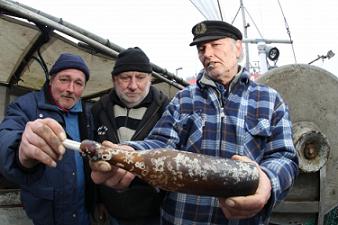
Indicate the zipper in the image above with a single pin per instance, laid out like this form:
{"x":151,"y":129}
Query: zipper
{"x":147,"y":124}
{"x":127,"y":116}
{"x":222,"y":115}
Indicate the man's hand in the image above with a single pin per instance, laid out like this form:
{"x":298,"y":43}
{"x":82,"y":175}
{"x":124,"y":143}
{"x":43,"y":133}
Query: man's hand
{"x":109,"y":175}
{"x":243,"y":207}
{"x":41,"y":141}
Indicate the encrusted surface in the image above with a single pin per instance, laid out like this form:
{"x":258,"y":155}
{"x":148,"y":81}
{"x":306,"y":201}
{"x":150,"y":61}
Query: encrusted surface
{"x":182,"y":171}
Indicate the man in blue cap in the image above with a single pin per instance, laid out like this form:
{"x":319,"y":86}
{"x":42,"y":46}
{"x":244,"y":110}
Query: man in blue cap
{"x":55,"y":188}
{"x":225,"y":114}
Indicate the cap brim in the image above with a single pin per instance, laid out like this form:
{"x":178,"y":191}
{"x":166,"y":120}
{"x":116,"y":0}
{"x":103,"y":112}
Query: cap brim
{"x":206,"y":38}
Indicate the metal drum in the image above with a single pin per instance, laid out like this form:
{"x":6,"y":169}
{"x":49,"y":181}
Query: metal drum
{"x":312,"y":96}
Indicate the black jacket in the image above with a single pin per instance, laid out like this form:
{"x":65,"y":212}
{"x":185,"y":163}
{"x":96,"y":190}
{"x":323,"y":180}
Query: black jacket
{"x":140,"y":199}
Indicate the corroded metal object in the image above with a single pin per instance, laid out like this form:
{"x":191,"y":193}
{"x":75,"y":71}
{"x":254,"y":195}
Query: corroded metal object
{"x":181,"y":171}
{"x":312,"y":146}
{"x":311,"y":94}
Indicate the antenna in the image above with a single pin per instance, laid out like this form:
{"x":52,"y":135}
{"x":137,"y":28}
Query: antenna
{"x":328,"y":55}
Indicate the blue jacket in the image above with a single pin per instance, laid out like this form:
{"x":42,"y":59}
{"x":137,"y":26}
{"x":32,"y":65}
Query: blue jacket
{"x":48,"y":194}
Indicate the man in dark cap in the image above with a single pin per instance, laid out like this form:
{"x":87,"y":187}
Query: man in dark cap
{"x":55,"y":188}
{"x":127,"y":113}
{"x":212,"y":30}
{"x":225,"y":114}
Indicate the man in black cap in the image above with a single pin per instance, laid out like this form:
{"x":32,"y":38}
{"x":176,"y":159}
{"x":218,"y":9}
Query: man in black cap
{"x":55,"y":188}
{"x":129,"y":112}
{"x":225,"y":114}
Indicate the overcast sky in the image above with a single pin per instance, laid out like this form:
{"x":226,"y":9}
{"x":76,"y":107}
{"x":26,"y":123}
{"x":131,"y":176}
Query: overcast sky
{"x":162,"y":28}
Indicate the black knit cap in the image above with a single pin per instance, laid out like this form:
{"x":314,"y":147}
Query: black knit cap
{"x":210,"y":30}
{"x":132,"y":59}
{"x":69,"y":61}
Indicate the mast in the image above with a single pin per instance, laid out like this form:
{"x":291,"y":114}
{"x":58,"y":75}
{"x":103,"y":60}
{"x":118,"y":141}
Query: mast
{"x":263,"y":49}
{"x":245,"y":32}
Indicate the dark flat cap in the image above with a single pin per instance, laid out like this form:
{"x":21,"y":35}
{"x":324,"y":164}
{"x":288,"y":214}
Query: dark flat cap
{"x":210,"y":30}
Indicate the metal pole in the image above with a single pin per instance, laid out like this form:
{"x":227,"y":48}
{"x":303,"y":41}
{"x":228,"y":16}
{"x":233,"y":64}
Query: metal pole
{"x":82,"y":35}
{"x":177,"y":69}
{"x":245,"y":32}
{"x":266,"y":41}
{"x":263,"y":64}
{"x":319,"y":57}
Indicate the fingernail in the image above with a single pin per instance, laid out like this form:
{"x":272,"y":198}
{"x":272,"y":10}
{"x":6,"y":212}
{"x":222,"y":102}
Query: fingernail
{"x":230,"y":203}
{"x":53,"y":164}
{"x":61,"y":149}
{"x":104,"y":167}
{"x":62,"y":136}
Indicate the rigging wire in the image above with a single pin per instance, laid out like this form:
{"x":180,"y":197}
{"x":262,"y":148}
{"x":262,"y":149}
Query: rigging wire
{"x":233,"y":20}
{"x":288,"y":31}
{"x":219,"y":9}
{"x":210,"y":11}
{"x":259,"y":32}
{"x":198,"y":9}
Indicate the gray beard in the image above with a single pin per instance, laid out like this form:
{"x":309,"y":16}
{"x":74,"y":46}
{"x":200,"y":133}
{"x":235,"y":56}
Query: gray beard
{"x":131,"y":105}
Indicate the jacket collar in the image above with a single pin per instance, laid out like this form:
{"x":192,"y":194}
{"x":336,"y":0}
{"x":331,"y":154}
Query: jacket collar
{"x":204,"y":80}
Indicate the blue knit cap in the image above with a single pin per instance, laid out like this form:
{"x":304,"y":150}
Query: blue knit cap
{"x":69,"y":61}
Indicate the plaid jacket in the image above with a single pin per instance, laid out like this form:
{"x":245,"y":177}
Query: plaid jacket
{"x":249,"y":119}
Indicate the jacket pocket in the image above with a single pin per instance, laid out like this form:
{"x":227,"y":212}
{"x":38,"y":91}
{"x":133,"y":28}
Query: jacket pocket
{"x":258,"y":126}
{"x":38,"y":204}
{"x":190,"y":130}
{"x":258,"y":130}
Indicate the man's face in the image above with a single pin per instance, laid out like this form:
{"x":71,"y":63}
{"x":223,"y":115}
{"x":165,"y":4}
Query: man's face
{"x":67,"y":87}
{"x":132,"y":87}
{"x":220,"y":58}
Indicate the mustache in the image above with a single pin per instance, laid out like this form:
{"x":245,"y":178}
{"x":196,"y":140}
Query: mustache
{"x":67,"y":95}
{"x":211,"y":66}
